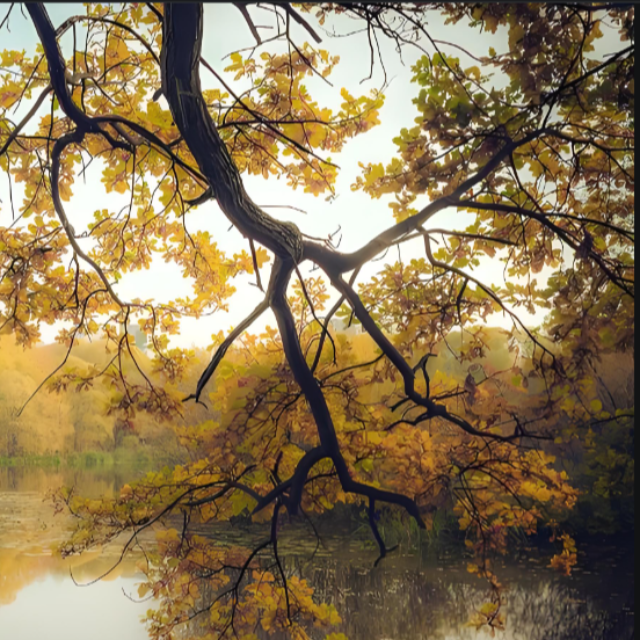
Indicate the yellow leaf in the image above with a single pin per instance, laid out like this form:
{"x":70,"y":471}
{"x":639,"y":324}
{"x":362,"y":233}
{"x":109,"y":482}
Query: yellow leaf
{"x":143,"y":589}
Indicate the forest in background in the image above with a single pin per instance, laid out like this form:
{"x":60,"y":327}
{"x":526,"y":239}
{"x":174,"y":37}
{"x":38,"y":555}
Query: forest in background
{"x":64,"y":420}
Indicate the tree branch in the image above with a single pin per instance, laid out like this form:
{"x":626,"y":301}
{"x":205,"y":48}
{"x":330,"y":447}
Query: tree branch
{"x":339,"y":263}
{"x":222,"y":349}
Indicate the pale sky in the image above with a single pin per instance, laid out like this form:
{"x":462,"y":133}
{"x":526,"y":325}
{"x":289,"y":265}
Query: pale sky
{"x":359,"y":217}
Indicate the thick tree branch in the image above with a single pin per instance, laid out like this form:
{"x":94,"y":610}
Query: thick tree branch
{"x":57,"y":68}
{"x":403,"y":367}
{"x":181,"y":57}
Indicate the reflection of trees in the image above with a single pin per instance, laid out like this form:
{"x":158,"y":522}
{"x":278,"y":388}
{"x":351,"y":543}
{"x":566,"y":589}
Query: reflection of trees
{"x":550,"y":611}
{"x":34,"y":482}
{"x":383,"y":603}
{"x":380,"y":604}
{"x":19,"y":569}
{"x":406,"y":599}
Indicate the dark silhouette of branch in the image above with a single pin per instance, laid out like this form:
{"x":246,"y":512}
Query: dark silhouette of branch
{"x":574,"y":243}
{"x":27,"y":118}
{"x":245,"y":14}
{"x":222,"y":349}
{"x":376,"y":533}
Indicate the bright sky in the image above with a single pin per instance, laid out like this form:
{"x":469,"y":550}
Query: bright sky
{"x":359,"y":217}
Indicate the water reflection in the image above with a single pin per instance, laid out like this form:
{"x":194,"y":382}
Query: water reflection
{"x":428,"y":594}
{"x":422,"y":595}
{"x":53,"y":608}
{"x":94,"y":481}
{"x":427,"y":604}
{"x":29,"y":530}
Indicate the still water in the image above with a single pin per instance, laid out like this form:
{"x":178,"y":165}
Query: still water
{"x":421,"y":593}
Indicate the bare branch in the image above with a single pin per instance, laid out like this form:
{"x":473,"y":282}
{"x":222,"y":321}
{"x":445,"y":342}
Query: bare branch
{"x":245,"y":14}
{"x":222,"y":349}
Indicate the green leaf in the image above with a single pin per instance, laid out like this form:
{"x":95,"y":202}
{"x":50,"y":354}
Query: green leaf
{"x":367,"y":464}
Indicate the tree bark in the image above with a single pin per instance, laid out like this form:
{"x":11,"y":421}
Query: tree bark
{"x":182,"y":45}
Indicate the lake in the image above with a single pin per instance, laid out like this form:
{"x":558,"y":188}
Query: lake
{"x":421,"y":592}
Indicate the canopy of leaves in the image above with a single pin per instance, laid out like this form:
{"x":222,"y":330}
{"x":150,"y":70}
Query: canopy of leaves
{"x":529,"y":150}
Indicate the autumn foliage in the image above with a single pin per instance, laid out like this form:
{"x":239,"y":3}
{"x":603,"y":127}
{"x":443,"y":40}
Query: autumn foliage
{"x":385,"y":391}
